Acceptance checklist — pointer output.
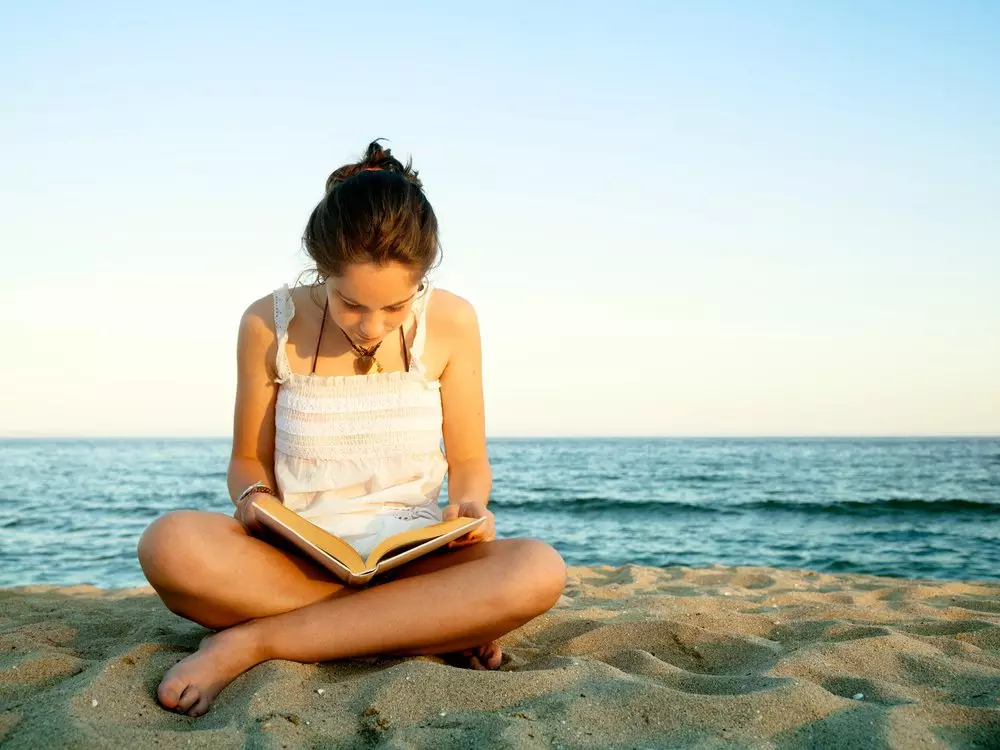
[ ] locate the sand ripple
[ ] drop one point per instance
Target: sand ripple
(630, 657)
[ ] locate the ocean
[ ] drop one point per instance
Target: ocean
(71, 511)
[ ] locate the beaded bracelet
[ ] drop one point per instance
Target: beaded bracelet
(253, 489)
(249, 492)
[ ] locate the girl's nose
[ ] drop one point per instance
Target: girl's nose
(371, 327)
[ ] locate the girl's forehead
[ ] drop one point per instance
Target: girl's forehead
(376, 286)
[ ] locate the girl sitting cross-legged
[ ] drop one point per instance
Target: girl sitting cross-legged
(346, 390)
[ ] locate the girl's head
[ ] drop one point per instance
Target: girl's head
(373, 238)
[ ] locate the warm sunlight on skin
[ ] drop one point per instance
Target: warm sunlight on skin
(370, 301)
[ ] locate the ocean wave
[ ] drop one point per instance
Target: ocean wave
(875, 507)
(881, 506)
(597, 504)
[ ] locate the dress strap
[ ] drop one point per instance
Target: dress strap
(406, 350)
(420, 337)
(284, 311)
(319, 339)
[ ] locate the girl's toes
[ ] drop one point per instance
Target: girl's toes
(490, 655)
(188, 699)
(169, 693)
(200, 708)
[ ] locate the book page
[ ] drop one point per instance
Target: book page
(398, 542)
(403, 555)
(301, 532)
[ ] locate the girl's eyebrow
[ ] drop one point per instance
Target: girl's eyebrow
(349, 301)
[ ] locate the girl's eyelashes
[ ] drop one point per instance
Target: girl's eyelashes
(358, 308)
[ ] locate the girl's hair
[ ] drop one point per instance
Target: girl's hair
(374, 211)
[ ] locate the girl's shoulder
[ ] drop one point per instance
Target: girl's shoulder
(449, 313)
(270, 316)
(258, 318)
(258, 340)
(276, 310)
(264, 315)
(452, 323)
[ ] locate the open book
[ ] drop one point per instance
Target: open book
(340, 558)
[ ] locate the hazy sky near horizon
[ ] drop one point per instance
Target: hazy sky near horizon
(673, 219)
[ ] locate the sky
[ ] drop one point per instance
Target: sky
(679, 219)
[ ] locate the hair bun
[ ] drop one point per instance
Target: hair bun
(376, 159)
(374, 211)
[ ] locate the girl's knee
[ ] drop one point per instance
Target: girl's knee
(176, 545)
(540, 575)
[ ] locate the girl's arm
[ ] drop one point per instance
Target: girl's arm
(469, 476)
(252, 458)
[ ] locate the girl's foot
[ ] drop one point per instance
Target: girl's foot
(191, 685)
(487, 656)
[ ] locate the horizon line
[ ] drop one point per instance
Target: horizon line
(549, 436)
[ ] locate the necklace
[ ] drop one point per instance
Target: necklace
(366, 357)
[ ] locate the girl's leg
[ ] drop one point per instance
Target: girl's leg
(207, 568)
(441, 603)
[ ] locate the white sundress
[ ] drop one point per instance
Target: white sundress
(359, 455)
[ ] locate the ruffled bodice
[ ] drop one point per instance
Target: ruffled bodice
(357, 454)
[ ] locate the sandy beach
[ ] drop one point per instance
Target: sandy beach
(631, 657)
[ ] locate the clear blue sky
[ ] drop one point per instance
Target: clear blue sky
(677, 219)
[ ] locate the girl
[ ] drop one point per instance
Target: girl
(345, 391)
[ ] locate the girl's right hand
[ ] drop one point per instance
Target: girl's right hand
(245, 515)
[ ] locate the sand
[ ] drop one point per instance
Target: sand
(631, 657)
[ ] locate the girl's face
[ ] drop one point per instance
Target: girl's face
(369, 301)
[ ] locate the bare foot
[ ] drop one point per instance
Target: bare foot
(487, 656)
(192, 684)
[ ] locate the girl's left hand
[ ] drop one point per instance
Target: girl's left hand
(485, 532)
